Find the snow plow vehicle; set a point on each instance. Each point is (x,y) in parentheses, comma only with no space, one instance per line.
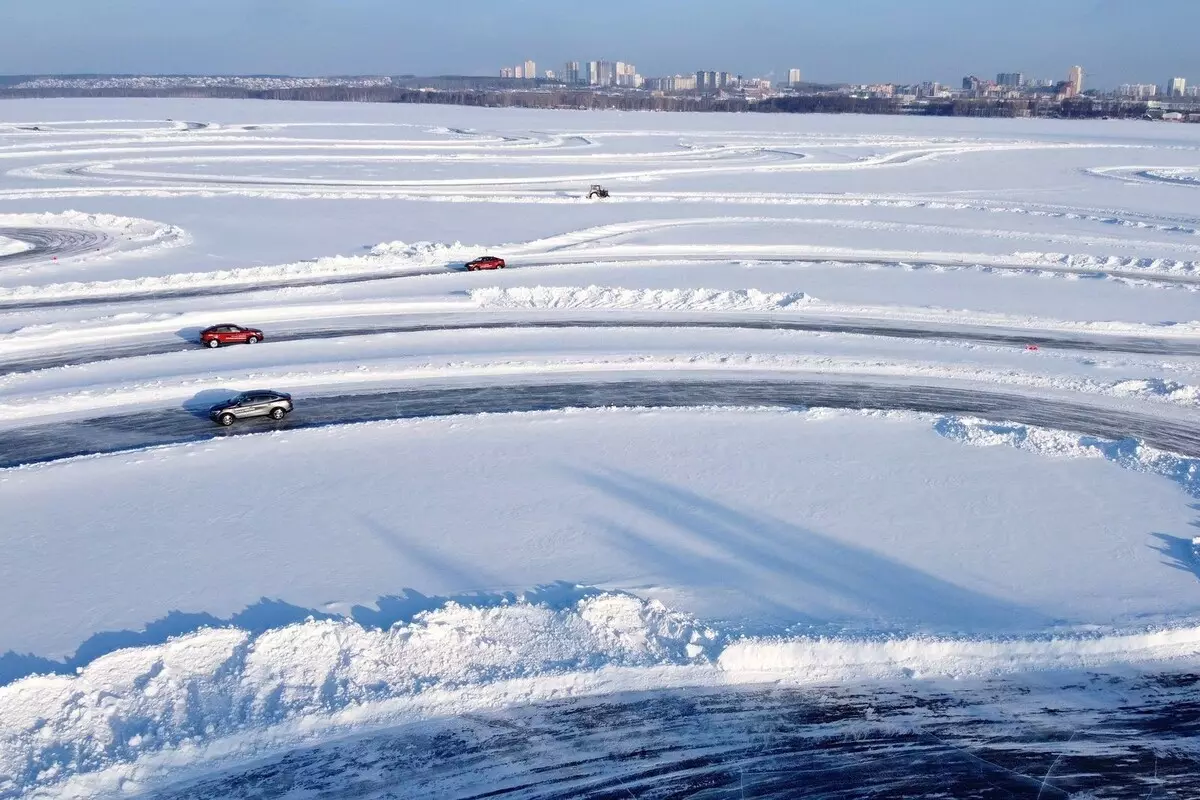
(597,191)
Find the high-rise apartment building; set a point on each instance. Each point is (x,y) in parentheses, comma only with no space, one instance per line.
(530,69)
(1138,91)
(571,72)
(710,81)
(793,77)
(602,73)
(1075,81)
(626,75)
(1177,87)
(1014,80)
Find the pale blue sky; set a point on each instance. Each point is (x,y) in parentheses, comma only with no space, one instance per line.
(836,40)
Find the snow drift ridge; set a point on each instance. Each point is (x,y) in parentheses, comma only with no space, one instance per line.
(589,297)
(218,682)
(282,687)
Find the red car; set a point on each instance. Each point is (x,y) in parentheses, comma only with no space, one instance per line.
(486,262)
(218,335)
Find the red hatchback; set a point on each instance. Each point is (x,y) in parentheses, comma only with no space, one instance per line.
(486,262)
(218,335)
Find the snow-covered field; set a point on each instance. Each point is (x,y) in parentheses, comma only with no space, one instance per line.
(854,406)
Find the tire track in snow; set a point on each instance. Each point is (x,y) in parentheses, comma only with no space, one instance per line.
(44,243)
(137,430)
(625,256)
(858,327)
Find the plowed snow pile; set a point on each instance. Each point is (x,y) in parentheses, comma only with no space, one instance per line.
(219,682)
(224,695)
(591,297)
(10,246)
(139,233)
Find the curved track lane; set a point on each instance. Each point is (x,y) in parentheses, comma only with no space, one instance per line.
(190,423)
(51,243)
(567,259)
(860,327)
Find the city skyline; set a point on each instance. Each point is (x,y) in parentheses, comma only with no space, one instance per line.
(941,39)
(620,74)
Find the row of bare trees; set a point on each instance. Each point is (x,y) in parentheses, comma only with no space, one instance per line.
(566,97)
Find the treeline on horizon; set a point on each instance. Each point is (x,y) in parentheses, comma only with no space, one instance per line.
(1075,108)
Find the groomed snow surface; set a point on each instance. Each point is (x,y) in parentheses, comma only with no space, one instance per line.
(187,618)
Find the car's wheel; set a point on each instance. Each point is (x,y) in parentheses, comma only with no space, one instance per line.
(214,342)
(277,413)
(226,419)
(252,340)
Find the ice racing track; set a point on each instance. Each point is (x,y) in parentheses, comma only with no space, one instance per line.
(114,433)
(859,327)
(908,269)
(759,742)
(46,243)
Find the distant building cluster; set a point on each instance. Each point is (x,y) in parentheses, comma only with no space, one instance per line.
(719,84)
(526,71)
(1015,84)
(1172,89)
(621,75)
(575,73)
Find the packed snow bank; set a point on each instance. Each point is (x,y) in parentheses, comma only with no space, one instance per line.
(393,259)
(824,659)
(591,297)
(1149,266)
(10,246)
(218,682)
(1128,454)
(120,234)
(140,713)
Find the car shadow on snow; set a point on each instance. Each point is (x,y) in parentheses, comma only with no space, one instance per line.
(200,403)
(189,335)
(271,614)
